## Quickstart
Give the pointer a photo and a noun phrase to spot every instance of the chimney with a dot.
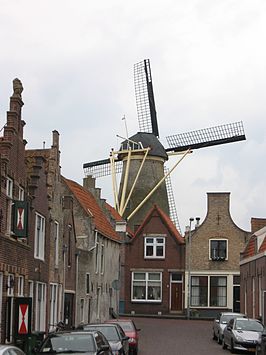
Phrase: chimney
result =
(257, 223)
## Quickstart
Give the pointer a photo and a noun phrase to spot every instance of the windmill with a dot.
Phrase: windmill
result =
(142, 157)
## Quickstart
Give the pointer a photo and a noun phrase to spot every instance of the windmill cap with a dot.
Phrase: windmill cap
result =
(147, 140)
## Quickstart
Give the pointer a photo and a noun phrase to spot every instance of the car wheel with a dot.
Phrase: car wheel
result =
(223, 344)
(232, 348)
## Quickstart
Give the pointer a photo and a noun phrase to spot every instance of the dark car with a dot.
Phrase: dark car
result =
(114, 334)
(130, 330)
(75, 342)
(242, 334)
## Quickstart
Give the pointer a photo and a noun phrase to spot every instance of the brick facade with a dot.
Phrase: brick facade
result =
(173, 262)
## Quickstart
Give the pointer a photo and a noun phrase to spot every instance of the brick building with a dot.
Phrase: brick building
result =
(154, 267)
(252, 271)
(212, 259)
(24, 241)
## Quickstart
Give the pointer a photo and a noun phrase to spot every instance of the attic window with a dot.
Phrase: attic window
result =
(154, 247)
(218, 249)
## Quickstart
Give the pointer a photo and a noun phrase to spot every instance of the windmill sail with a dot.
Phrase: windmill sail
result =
(207, 137)
(144, 98)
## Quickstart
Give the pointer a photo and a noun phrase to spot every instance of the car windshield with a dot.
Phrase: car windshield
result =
(226, 318)
(109, 332)
(126, 326)
(251, 325)
(69, 343)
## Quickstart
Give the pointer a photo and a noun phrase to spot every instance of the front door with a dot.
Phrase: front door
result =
(68, 310)
(236, 299)
(176, 292)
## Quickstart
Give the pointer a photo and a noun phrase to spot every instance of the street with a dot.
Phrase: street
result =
(176, 337)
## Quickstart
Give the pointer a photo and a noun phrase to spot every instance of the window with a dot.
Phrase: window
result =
(82, 301)
(96, 254)
(208, 291)
(87, 283)
(154, 247)
(102, 258)
(218, 290)
(39, 237)
(31, 286)
(218, 249)
(56, 243)
(9, 194)
(20, 285)
(10, 285)
(40, 306)
(9, 187)
(147, 286)
(21, 193)
(53, 306)
(199, 291)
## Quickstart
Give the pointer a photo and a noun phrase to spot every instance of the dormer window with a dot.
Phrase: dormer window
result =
(154, 247)
(218, 249)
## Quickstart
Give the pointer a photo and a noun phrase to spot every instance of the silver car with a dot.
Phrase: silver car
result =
(221, 322)
(242, 334)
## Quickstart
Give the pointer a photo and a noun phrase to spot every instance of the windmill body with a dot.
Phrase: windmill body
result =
(151, 173)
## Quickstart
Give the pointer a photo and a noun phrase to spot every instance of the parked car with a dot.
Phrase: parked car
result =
(261, 347)
(114, 334)
(242, 334)
(221, 322)
(74, 342)
(10, 350)
(131, 331)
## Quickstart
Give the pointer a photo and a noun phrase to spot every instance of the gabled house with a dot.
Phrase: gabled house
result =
(24, 226)
(212, 260)
(154, 267)
(98, 254)
(61, 283)
(252, 271)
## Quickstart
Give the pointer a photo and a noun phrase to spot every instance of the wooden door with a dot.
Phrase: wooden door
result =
(176, 296)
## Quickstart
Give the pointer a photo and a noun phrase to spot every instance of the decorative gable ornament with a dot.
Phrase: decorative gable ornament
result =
(20, 218)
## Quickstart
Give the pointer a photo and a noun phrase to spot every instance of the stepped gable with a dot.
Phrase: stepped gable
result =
(167, 221)
(91, 207)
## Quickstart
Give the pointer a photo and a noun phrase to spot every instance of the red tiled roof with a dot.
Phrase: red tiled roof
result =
(91, 207)
(250, 247)
(166, 219)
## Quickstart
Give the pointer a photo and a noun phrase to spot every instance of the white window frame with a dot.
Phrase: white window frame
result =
(39, 237)
(21, 193)
(146, 282)
(10, 290)
(102, 262)
(21, 285)
(40, 306)
(31, 289)
(9, 187)
(53, 319)
(56, 244)
(154, 245)
(97, 252)
(210, 250)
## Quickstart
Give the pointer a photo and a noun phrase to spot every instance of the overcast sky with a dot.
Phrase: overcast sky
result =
(208, 61)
